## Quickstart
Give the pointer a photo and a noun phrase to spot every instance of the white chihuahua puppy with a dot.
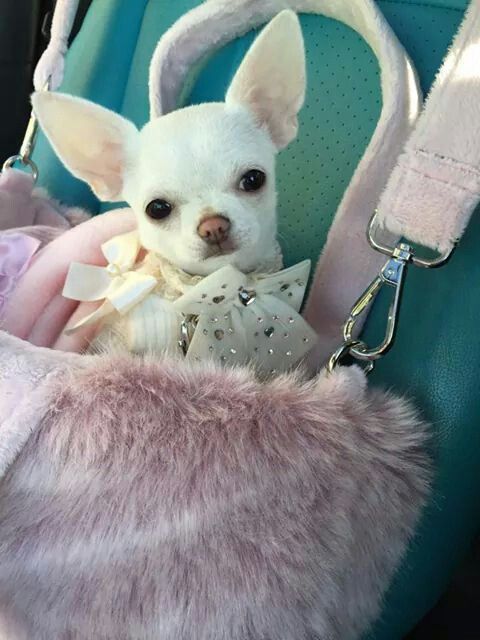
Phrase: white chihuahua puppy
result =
(200, 180)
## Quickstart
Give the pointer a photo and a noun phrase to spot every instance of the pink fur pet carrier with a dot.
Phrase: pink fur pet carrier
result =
(146, 497)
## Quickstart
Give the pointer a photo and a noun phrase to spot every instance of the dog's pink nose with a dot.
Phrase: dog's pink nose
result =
(214, 229)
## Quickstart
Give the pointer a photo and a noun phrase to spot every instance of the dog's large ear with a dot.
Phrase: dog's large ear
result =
(270, 81)
(94, 143)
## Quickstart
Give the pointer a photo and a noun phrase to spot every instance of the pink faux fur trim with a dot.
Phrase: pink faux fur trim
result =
(154, 500)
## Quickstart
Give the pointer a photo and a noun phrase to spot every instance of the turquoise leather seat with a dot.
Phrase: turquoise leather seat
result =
(437, 350)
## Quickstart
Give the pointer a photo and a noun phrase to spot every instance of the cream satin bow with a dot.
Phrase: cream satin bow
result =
(237, 318)
(116, 284)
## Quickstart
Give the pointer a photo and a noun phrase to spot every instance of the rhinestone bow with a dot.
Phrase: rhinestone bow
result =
(241, 318)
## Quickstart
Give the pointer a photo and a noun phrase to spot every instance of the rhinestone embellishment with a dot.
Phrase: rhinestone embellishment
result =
(269, 331)
(247, 297)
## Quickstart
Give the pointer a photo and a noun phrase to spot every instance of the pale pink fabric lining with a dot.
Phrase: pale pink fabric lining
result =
(435, 187)
(22, 204)
(16, 252)
(36, 310)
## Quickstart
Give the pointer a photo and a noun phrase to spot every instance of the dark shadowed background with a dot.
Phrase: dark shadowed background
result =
(24, 29)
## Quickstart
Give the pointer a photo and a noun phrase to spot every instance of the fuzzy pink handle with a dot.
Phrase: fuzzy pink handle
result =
(50, 68)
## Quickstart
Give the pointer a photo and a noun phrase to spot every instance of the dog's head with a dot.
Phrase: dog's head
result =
(201, 180)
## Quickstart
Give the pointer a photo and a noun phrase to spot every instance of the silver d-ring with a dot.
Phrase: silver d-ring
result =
(426, 263)
(10, 162)
(345, 349)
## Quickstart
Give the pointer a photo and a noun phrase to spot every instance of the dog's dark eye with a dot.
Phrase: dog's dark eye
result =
(158, 209)
(253, 180)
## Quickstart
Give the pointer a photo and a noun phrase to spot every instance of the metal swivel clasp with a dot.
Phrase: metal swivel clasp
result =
(392, 275)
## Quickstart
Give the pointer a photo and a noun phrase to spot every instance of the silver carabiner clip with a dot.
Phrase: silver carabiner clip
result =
(393, 275)
(28, 145)
(26, 149)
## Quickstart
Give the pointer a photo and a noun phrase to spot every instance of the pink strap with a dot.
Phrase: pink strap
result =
(435, 186)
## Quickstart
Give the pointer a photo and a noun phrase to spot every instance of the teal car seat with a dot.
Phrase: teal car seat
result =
(436, 352)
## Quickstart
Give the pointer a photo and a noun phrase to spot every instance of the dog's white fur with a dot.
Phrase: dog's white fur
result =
(196, 156)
